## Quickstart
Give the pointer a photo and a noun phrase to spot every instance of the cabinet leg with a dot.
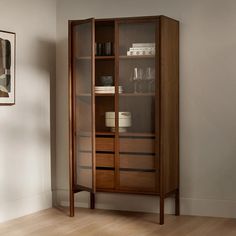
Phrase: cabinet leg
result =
(177, 204)
(72, 204)
(92, 200)
(162, 204)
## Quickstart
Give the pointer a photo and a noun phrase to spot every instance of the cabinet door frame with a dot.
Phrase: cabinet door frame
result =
(157, 164)
(72, 114)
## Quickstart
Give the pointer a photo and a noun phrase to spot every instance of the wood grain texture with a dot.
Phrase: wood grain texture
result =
(138, 145)
(143, 181)
(105, 160)
(54, 222)
(105, 179)
(169, 63)
(137, 161)
(105, 144)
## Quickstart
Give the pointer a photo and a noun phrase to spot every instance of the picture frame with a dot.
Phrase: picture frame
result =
(7, 67)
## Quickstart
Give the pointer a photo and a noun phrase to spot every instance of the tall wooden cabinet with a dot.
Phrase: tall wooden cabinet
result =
(124, 107)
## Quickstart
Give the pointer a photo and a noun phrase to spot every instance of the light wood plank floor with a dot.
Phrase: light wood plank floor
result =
(55, 222)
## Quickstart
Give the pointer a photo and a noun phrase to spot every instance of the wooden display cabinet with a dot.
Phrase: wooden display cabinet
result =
(143, 157)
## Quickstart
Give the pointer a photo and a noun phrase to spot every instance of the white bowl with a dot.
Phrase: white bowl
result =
(122, 122)
(122, 115)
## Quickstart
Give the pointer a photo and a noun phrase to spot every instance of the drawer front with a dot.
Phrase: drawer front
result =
(137, 145)
(104, 160)
(137, 161)
(105, 144)
(139, 181)
(105, 179)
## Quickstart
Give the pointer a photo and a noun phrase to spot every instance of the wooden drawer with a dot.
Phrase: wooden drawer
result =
(137, 145)
(137, 161)
(105, 179)
(137, 180)
(104, 160)
(105, 144)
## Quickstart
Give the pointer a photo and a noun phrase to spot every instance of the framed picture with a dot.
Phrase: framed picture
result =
(7, 67)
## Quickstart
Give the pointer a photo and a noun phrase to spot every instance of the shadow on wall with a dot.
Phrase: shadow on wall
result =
(46, 51)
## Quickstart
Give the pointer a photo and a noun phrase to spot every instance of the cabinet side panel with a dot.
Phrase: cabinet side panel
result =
(169, 103)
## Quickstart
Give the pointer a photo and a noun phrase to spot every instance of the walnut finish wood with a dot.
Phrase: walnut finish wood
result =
(105, 160)
(170, 103)
(145, 160)
(105, 144)
(105, 179)
(137, 145)
(169, 74)
(143, 181)
(137, 161)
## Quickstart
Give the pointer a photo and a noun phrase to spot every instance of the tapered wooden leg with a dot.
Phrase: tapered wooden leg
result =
(162, 204)
(92, 200)
(177, 205)
(72, 204)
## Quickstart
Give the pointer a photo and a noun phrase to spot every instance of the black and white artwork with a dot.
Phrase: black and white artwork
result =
(7, 68)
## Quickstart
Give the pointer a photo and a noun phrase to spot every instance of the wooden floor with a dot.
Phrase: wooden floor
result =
(55, 222)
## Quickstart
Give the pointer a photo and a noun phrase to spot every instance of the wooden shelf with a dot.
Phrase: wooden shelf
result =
(104, 94)
(127, 134)
(96, 57)
(120, 94)
(138, 57)
(105, 134)
(137, 94)
(104, 57)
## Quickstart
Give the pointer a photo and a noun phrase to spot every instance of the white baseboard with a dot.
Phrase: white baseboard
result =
(208, 207)
(20, 207)
(142, 203)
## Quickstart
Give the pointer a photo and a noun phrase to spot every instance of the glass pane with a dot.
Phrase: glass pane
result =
(82, 66)
(137, 106)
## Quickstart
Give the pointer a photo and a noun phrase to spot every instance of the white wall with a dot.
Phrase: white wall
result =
(207, 101)
(25, 163)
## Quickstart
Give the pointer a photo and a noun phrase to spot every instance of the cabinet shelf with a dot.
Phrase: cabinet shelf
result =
(136, 94)
(120, 94)
(104, 57)
(127, 134)
(137, 57)
(104, 94)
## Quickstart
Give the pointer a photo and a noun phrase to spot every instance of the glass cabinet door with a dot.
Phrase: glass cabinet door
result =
(136, 110)
(83, 102)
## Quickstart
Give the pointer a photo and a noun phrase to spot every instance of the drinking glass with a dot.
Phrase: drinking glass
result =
(136, 78)
(150, 78)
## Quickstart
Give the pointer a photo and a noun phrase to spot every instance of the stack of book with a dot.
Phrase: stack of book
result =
(107, 89)
(140, 49)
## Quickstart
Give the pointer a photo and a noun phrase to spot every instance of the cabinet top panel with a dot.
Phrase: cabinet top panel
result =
(135, 18)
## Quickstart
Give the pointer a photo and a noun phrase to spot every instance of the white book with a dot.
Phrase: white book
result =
(140, 53)
(136, 45)
(142, 49)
